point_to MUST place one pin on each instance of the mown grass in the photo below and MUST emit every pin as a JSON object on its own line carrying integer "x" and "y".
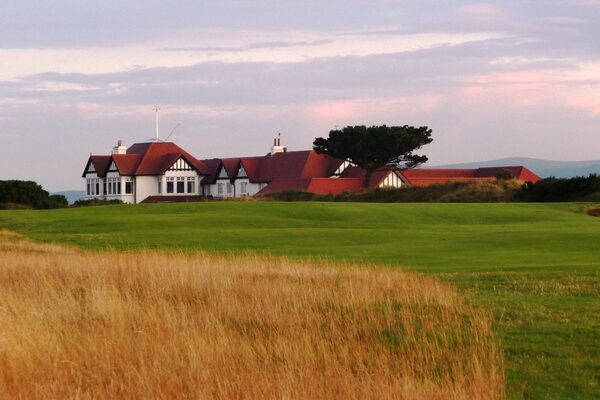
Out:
{"x": 536, "y": 266}
{"x": 149, "y": 324}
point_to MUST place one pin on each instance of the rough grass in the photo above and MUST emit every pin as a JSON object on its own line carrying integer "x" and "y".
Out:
{"x": 536, "y": 267}
{"x": 148, "y": 324}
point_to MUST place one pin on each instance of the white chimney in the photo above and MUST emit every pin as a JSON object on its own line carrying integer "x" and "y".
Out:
{"x": 277, "y": 147}
{"x": 119, "y": 148}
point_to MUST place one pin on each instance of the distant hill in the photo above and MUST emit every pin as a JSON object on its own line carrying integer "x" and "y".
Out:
{"x": 72, "y": 195}
{"x": 544, "y": 168}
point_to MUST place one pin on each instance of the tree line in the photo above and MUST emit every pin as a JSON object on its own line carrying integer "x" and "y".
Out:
{"x": 28, "y": 194}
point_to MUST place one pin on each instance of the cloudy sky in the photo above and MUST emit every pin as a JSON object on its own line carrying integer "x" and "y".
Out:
{"x": 492, "y": 79}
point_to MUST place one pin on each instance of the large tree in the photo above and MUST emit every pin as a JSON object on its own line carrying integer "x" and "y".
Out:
{"x": 376, "y": 146}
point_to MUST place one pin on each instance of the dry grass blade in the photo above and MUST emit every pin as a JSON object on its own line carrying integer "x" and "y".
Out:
{"x": 82, "y": 324}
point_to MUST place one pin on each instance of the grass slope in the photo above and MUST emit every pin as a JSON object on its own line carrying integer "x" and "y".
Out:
{"x": 537, "y": 266}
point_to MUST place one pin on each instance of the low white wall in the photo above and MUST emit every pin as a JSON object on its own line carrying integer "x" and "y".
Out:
{"x": 145, "y": 186}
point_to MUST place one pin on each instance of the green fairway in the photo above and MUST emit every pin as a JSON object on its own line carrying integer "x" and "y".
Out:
{"x": 536, "y": 266}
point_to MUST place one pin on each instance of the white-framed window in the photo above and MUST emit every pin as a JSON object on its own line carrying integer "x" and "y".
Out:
{"x": 93, "y": 187}
{"x": 191, "y": 185}
{"x": 114, "y": 186}
{"x": 229, "y": 188}
{"x": 244, "y": 187}
{"x": 128, "y": 186}
{"x": 180, "y": 184}
{"x": 219, "y": 188}
{"x": 159, "y": 185}
{"x": 170, "y": 185}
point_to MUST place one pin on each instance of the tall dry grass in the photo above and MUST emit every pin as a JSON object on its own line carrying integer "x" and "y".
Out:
{"x": 84, "y": 324}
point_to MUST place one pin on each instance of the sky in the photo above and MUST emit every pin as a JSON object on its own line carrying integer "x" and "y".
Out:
{"x": 491, "y": 79}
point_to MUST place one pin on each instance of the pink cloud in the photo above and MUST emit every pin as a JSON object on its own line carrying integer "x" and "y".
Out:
{"x": 360, "y": 110}
{"x": 480, "y": 10}
{"x": 88, "y": 107}
{"x": 536, "y": 88}
{"x": 335, "y": 110}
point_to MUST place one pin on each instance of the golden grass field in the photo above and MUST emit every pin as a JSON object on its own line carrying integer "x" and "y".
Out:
{"x": 148, "y": 324}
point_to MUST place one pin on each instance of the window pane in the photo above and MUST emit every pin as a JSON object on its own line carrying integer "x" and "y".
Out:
{"x": 180, "y": 187}
{"x": 169, "y": 187}
{"x": 190, "y": 187}
{"x": 128, "y": 187}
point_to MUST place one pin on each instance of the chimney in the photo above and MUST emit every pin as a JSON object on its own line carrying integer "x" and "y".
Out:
{"x": 119, "y": 148}
{"x": 277, "y": 147}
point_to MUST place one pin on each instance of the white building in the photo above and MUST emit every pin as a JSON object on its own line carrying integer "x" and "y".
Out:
{"x": 162, "y": 171}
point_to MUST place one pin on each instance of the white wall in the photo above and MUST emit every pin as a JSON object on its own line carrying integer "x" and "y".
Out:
{"x": 251, "y": 188}
{"x": 145, "y": 186}
{"x": 213, "y": 189}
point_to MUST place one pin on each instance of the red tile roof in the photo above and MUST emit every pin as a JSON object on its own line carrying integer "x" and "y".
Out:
{"x": 280, "y": 185}
{"x": 159, "y": 156}
{"x": 251, "y": 165}
{"x": 429, "y": 176}
{"x": 147, "y": 159}
{"x": 231, "y": 165}
{"x": 335, "y": 185}
{"x": 127, "y": 163}
{"x": 292, "y": 165}
{"x": 519, "y": 172}
{"x": 100, "y": 163}
{"x": 315, "y": 185}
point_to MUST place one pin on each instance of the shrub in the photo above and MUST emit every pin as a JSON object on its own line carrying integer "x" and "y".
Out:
{"x": 95, "y": 202}
{"x": 291, "y": 195}
{"x": 562, "y": 189}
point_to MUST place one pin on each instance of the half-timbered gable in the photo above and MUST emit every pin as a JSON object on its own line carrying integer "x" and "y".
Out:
{"x": 340, "y": 170}
{"x": 392, "y": 180}
{"x": 181, "y": 165}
